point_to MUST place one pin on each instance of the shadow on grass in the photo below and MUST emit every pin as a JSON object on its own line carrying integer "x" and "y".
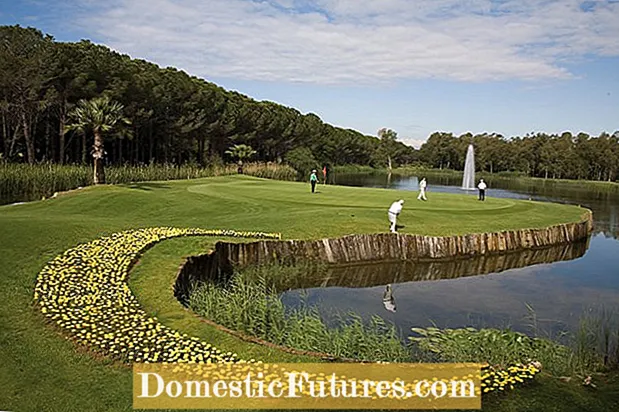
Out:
{"x": 147, "y": 186}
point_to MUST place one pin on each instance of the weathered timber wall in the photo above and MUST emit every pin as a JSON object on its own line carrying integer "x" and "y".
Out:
{"x": 388, "y": 246}
{"x": 210, "y": 267}
{"x": 412, "y": 257}
{"x": 378, "y": 274}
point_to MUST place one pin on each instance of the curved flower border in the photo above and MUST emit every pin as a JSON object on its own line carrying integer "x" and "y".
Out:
{"x": 84, "y": 291}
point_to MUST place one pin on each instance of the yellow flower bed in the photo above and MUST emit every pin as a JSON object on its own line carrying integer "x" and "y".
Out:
{"x": 499, "y": 380}
{"x": 84, "y": 291}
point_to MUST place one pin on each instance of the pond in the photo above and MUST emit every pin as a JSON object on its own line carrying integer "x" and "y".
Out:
{"x": 545, "y": 293}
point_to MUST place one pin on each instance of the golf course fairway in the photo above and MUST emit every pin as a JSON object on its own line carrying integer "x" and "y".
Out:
{"x": 43, "y": 371}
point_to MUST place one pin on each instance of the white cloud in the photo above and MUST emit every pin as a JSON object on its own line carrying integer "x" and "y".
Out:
{"x": 410, "y": 141}
{"x": 356, "y": 41}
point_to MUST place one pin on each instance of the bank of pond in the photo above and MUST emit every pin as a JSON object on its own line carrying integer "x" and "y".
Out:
{"x": 249, "y": 304}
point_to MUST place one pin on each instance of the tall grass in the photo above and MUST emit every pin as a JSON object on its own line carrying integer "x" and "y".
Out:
{"x": 496, "y": 347}
{"x": 597, "y": 338}
{"x": 421, "y": 170}
{"x": 594, "y": 347}
{"x": 250, "y": 303}
{"x": 357, "y": 169}
{"x": 532, "y": 183}
{"x": 398, "y": 171}
{"x": 23, "y": 182}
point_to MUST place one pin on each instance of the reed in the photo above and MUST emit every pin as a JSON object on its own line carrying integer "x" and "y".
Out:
{"x": 508, "y": 179}
{"x": 497, "y": 347}
{"x": 250, "y": 303}
{"x": 592, "y": 348}
{"x": 22, "y": 182}
{"x": 597, "y": 340}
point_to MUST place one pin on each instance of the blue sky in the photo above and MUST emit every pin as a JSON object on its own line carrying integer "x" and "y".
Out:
{"x": 416, "y": 66}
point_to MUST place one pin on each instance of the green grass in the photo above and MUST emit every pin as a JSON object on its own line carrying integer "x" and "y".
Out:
{"x": 42, "y": 371}
{"x": 23, "y": 182}
{"x": 249, "y": 302}
{"x": 365, "y": 210}
{"x": 152, "y": 280}
{"x": 550, "y": 394}
{"x": 502, "y": 348}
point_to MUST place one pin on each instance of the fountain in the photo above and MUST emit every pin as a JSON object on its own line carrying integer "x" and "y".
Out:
{"x": 468, "y": 180}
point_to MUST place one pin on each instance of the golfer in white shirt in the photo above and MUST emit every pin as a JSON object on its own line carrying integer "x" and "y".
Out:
{"x": 422, "y": 189}
{"x": 394, "y": 211}
{"x": 482, "y": 189}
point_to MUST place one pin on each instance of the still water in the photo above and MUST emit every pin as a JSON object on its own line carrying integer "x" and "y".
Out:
{"x": 560, "y": 284}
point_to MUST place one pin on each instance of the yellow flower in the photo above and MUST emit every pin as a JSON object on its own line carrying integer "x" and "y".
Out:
{"x": 84, "y": 291}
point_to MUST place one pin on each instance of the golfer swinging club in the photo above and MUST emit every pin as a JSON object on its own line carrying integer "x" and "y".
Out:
{"x": 394, "y": 211}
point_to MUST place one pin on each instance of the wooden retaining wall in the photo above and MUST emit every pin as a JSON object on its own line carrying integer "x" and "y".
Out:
{"x": 434, "y": 257}
{"x": 377, "y": 274}
{"x": 388, "y": 246}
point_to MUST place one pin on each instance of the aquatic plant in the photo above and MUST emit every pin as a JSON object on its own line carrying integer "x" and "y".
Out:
{"x": 250, "y": 303}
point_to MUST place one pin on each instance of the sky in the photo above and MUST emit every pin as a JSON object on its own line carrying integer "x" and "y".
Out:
{"x": 415, "y": 66}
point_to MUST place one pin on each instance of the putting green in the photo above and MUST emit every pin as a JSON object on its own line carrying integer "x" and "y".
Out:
{"x": 364, "y": 210}
{"x": 297, "y": 195}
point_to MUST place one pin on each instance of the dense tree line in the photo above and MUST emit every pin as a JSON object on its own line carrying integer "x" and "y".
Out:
{"x": 173, "y": 117}
{"x": 565, "y": 156}
{"x": 176, "y": 118}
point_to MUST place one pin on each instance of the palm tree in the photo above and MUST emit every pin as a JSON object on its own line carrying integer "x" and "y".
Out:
{"x": 241, "y": 151}
{"x": 98, "y": 116}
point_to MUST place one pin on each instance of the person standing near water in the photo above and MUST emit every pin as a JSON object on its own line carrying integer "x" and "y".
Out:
{"x": 482, "y": 189}
{"x": 394, "y": 211}
{"x": 313, "y": 180}
{"x": 422, "y": 189}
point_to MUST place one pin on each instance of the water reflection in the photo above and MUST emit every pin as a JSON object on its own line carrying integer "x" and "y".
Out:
{"x": 389, "y": 299}
{"x": 560, "y": 283}
{"x": 599, "y": 198}
{"x": 375, "y": 274}
{"x": 362, "y": 275}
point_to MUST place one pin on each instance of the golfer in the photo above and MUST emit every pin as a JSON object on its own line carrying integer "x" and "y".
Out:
{"x": 422, "y": 189}
{"x": 313, "y": 180}
{"x": 482, "y": 189}
{"x": 394, "y": 211}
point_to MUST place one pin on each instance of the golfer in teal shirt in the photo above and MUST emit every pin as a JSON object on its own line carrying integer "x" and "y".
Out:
{"x": 313, "y": 180}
